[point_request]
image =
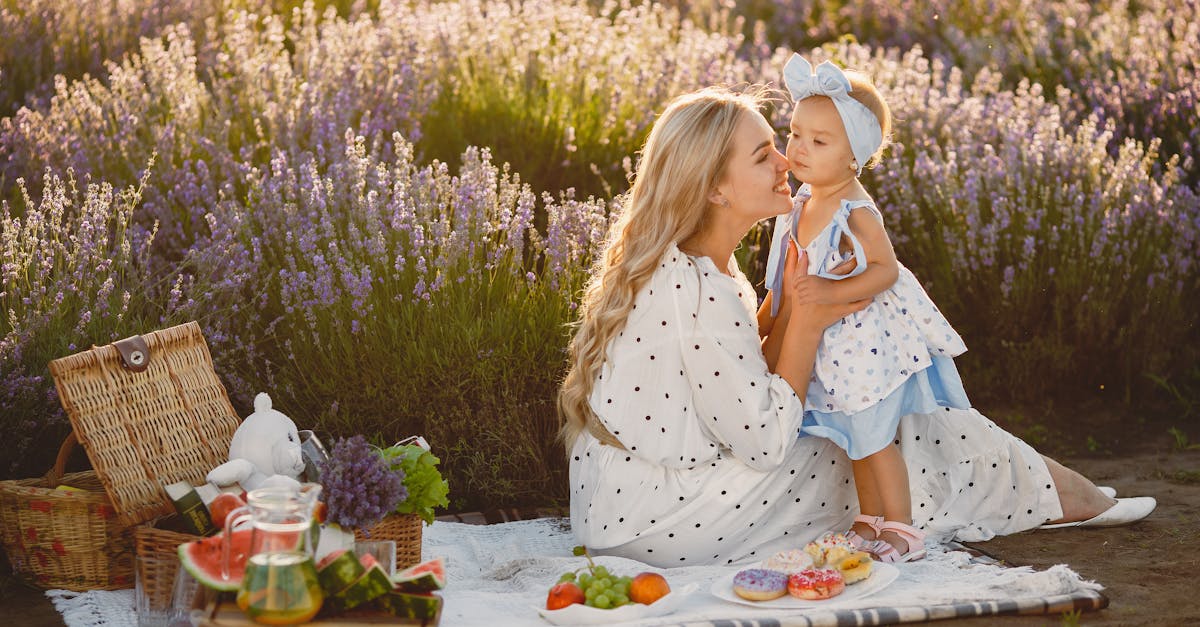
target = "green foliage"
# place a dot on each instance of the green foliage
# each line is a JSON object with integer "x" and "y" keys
{"x": 71, "y": 278}
{"x": 1180, "y": 440}
{"x": 562, "y": 94}
{"x": 427, "y": 489}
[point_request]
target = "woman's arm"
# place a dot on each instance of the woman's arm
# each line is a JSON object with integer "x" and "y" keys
{"x": 772, "y": 343}
{"x": 765, "y": 320}
{"x": 880, "y": 274}
{"x": 794, "y": 345}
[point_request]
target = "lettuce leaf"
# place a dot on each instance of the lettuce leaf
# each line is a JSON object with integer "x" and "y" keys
{"x": 426, "y": 487}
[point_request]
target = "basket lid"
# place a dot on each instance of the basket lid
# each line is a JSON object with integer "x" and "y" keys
{"x": 160, "y": 418}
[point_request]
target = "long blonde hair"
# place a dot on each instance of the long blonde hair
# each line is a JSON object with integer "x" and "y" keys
{"x": 682, "y": 162}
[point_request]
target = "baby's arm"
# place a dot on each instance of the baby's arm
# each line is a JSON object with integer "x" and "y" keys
{"x": 881, "y": 273}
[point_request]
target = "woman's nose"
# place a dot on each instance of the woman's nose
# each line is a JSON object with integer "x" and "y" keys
{"x": 781, "y": 160}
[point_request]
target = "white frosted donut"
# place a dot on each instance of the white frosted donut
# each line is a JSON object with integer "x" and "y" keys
{"x": 789, "y": 562}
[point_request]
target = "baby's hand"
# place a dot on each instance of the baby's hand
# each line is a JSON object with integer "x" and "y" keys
{"x": 812, "y": 289}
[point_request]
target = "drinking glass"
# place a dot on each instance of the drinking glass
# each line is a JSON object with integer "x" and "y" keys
{"x": 384, "y": 552}
{"x": 314, "y": 455}
{"x": 154, "y": 583}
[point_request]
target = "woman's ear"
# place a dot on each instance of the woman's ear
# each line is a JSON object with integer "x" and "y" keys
{"x": 717, "y": 198}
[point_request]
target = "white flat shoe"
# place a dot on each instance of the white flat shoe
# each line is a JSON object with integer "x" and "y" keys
{"x": 1107, "y": 491}
{"x": 1125, "y": 511}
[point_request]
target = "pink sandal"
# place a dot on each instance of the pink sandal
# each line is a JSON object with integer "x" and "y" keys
{"x": 873, "y": 522}
{"x": 885, "y": 552}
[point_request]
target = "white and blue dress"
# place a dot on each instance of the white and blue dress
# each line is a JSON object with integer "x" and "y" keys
{"x": 892, "y": 359}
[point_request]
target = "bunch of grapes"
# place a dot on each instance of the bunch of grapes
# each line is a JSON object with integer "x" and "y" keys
{"x": 601, "y": 589}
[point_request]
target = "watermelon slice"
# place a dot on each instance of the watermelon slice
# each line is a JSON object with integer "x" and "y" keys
{"x": 424, "y": 577}
{"x": 426, "y": 608}
{"x": 338, "y": 570}
{"x": 203, "y": 558}
{"x": 372, "y": 584}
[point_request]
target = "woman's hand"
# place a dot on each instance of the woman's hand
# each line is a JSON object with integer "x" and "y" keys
{"x": 807, "y": 297}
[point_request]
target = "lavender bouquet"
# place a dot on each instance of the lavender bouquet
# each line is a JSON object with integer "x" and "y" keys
{"x": 360, "y": 487}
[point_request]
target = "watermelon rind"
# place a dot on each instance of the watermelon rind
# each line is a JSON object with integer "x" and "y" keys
{"x": 338, "y": 571}
{"x": 202, "y": 560}
{"x": 427, "y": 576}
{"x": 426, "y": 608}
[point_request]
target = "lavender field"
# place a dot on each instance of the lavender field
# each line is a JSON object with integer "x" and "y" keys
{"x": 382, "y": 211}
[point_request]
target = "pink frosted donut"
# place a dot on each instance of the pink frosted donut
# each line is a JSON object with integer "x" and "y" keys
{"x": 815, "y": 584}
{"x": 760, "y": 584}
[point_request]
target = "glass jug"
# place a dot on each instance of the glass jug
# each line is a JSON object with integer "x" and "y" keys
{"x": 280, "y": 585}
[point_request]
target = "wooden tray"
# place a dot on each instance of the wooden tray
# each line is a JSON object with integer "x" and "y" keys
{"x": 225, "y": 613}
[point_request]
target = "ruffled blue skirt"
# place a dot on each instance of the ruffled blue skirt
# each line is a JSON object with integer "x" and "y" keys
{"x": 867, "y": 432}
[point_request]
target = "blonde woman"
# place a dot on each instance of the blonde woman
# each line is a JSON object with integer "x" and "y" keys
{"x": 681, "y": 414}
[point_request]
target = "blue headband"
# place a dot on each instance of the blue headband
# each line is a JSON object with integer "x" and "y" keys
{"x": 862, "y": 127}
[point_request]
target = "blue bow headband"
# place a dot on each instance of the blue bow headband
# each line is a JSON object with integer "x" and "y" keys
{"x": 862, "y": 127}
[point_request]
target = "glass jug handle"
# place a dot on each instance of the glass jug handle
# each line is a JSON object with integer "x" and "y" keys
{"x": 232, "y": 520}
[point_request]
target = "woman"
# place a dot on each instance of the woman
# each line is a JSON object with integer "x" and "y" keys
{"x": 683, "y": 439}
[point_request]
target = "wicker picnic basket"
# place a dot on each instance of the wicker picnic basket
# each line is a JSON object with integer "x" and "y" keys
{"x": 149, "y": 411}
{"x": 65, "y": 538}
{"x": 404, "y": 530}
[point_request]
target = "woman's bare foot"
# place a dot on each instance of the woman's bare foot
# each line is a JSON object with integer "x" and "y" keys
{"x": 1079, "y": 497}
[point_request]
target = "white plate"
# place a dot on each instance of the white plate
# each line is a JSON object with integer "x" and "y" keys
{"x": 580, "y": 614}
{"x": 882, "y": 575}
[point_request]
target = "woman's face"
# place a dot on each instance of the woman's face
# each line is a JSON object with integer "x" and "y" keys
{"x": 818, "y": 151}
{"x": 755, "y": 180}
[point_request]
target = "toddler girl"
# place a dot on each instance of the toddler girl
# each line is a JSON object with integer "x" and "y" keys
{"x": 893, "y": 358}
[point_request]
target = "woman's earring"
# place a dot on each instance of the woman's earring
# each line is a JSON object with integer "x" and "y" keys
{"x": 854, "y": 165}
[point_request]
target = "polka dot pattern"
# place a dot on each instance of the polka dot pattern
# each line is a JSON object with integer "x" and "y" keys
{"x": 712, "y": 471}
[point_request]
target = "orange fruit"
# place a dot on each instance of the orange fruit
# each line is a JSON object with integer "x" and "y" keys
{"x": 220, "y": 507}
{"x": 647, "y": 588}
{"x": 564, "y": 594}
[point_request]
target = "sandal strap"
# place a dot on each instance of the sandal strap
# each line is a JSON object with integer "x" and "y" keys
{"x": 874, "y": 522}
{"x": 910, "y": 533}
{"x": 882, "y": 551}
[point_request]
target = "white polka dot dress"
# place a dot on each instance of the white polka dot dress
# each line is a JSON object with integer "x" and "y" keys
{"x": 712, "y": 471}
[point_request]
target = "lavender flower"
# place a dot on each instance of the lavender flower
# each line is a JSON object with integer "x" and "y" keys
{"x": 360, "y": 487}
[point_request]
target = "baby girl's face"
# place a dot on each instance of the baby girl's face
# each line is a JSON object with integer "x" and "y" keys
{"x": 818, "y": 150}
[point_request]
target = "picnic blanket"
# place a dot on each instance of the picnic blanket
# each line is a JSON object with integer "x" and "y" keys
{"x": 498, "y": 575}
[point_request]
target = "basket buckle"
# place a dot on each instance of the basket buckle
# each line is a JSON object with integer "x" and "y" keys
{"x": 135, "y": 354}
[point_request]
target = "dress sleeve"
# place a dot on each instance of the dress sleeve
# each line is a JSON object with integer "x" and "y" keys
{"x": 751, "y": 413}
{"x": 643, "y": 396}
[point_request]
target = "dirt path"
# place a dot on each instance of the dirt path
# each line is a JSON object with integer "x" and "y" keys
{"x": 1147, "y": 569}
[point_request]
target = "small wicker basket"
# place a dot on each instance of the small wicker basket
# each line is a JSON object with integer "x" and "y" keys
{"x": 404, "y": 530}
{"x": 160, "y": 564}
{"x": 150, "y": 411}
{"x": 69, "y": 539}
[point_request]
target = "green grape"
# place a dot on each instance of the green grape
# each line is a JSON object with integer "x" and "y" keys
{"x": 606, "y": 582}
{"x": 596, "y": 588}
{"x": 619, "y": 600}
{"x": 585, "y": 580}
{"x": 603, "y": 602}
{"x": 566, "y": 577}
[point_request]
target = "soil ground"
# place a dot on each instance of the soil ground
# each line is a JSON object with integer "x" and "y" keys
{"x": 1146, "y": 568}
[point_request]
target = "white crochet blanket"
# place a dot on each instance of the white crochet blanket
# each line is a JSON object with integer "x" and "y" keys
{"x": 498, "y": 575}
